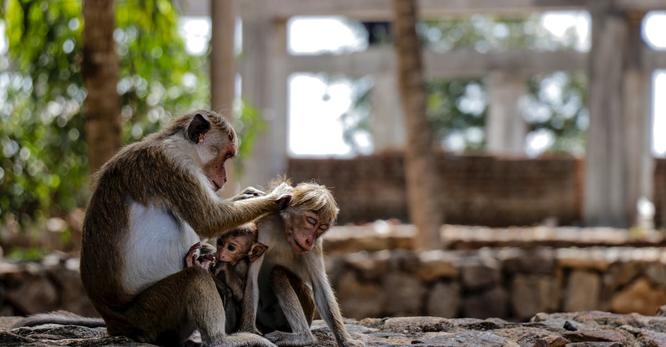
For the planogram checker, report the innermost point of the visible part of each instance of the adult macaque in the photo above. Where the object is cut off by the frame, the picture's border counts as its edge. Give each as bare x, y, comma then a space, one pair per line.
276, 297
151, 202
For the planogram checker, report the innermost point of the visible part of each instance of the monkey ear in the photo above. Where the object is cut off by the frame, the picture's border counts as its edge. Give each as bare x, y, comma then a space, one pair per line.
257, 250
197, 128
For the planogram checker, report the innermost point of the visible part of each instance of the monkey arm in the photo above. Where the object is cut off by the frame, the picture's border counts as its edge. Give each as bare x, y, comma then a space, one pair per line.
293, 311
234, 282
193, 200
251, 297
325, 300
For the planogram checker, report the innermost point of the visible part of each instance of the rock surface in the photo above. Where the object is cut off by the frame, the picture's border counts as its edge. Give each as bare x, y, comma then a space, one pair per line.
593, 328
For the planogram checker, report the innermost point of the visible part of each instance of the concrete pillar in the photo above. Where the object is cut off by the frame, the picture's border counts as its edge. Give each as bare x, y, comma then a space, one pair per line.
618, 164
505, 128
223, 72
637, 95
386, 120
222, 67
264, 86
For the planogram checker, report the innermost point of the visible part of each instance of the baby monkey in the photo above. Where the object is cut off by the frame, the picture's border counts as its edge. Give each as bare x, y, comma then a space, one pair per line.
229, 264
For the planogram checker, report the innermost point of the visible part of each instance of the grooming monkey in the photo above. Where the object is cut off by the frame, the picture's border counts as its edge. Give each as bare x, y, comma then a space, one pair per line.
151, 201
229, 264
276, 295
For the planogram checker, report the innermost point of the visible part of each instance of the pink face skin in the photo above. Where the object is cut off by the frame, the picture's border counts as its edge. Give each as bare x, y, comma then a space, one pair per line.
233, 249
214, 169
214, 148
303, 230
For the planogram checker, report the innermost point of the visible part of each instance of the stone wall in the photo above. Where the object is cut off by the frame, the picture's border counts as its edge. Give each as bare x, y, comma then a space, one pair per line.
383, 235
51, 284
508, 283
477, 190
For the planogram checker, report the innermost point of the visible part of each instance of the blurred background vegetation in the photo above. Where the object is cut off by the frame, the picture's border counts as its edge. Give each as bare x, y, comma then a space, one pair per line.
44, 169
43, 166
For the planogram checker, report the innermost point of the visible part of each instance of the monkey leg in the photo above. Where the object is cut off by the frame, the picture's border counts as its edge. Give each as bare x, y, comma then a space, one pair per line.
169, 311
304, 293
293, 310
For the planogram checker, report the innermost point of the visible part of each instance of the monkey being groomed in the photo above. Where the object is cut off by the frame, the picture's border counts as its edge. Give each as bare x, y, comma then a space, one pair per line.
289, 280
150, 203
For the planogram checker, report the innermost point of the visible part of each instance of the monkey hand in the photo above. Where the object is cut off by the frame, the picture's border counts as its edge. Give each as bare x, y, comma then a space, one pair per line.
282, 195
248, 193
206, 261
193, 255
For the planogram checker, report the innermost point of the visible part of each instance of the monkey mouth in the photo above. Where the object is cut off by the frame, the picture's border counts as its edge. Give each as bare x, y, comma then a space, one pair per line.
216, 186
299, 248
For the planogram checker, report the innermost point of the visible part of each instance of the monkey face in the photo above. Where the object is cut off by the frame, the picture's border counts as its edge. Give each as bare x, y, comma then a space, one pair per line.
233, 249
303, 229
214, 142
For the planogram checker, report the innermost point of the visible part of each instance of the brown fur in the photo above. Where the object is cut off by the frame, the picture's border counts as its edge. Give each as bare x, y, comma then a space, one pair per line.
148, 173
283, 283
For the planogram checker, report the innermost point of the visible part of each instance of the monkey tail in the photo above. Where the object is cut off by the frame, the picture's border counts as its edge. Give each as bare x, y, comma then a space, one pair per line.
243, 340
59, 317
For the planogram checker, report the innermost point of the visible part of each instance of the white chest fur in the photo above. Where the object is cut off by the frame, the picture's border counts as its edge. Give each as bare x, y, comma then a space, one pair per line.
155, 246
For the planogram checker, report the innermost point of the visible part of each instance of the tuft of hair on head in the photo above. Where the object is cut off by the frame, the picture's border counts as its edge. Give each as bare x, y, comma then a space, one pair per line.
247, 229
315, 197
279, 180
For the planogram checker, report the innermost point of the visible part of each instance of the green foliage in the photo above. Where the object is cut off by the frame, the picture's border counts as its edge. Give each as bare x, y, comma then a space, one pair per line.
26, 254
42, 150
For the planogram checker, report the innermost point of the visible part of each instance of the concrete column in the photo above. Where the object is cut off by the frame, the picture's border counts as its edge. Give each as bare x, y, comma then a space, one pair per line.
505, 128
637, 95
264, 86
222, 68
223, 72
386, 120
618, 158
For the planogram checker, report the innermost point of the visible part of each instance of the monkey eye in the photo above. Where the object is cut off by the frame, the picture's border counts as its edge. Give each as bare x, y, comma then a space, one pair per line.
324, 227
231, 247
312, 221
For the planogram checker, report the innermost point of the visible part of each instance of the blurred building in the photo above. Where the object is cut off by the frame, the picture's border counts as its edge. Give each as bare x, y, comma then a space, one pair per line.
618, 169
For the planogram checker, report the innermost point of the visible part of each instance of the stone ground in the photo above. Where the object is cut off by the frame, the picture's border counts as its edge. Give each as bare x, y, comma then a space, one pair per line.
592, 329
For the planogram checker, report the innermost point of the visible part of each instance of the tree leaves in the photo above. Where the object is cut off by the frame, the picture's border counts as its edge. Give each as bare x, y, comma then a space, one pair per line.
41, 110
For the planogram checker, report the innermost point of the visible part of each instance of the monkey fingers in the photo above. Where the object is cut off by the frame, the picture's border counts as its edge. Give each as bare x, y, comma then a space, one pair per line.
206, 261
248, 193
252, 191
192, 255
